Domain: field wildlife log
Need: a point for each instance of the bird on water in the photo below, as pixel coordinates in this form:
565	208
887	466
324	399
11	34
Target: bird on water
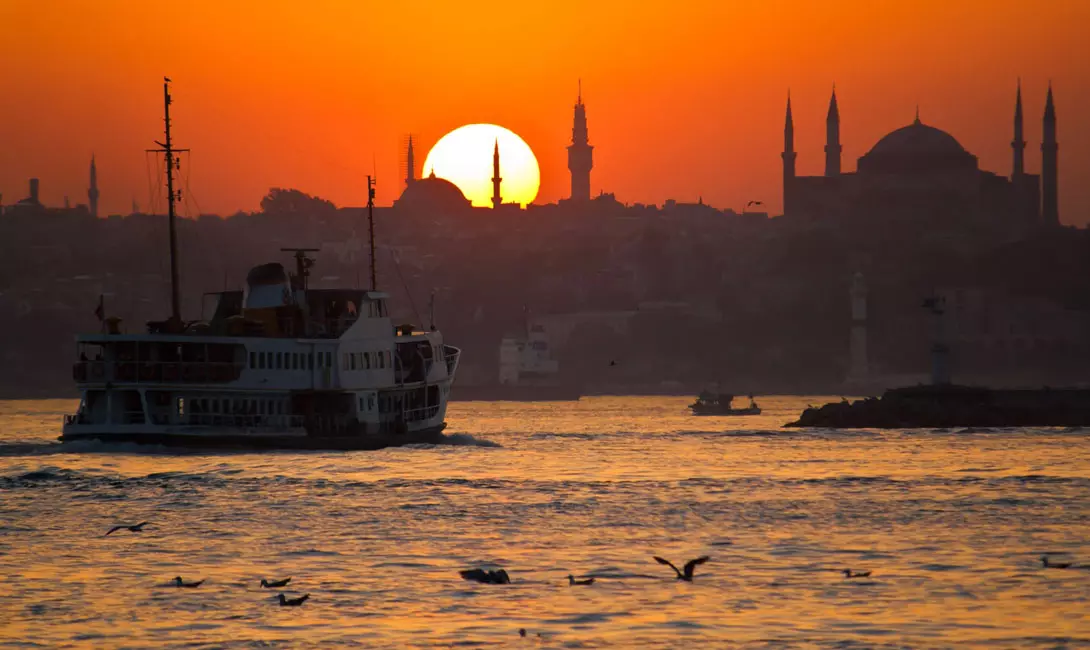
178	582
572	581
293	602
486	576
848	573
135	528
1048	564
275	583
687	574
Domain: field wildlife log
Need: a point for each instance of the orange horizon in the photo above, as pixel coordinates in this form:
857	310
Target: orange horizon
683	101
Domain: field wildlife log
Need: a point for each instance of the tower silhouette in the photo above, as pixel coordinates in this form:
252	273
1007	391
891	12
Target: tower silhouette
788	156
580	153
92	190
1019	142
832	138
1050	207
496	200
410	163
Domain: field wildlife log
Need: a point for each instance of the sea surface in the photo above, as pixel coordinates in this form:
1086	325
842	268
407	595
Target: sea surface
952	524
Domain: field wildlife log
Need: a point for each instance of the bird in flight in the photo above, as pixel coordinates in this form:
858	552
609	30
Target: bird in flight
687	574
275	583
293	602
136	528
178	582
572	581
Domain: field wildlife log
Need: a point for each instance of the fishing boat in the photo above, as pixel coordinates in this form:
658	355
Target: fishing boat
276	365
709	403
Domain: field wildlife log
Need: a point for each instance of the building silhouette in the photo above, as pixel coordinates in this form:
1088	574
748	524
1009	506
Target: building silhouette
788	156
1050	205
832	138
410	164
580	153
92	190
921	175
497	200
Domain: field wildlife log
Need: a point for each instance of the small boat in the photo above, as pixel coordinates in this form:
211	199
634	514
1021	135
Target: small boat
709	403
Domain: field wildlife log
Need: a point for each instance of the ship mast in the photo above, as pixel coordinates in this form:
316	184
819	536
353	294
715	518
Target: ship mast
172	164
371	227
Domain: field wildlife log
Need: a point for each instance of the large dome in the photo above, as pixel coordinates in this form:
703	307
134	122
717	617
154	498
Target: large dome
917	147
431	194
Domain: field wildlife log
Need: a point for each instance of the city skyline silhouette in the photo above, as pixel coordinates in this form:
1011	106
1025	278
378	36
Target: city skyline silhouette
693	119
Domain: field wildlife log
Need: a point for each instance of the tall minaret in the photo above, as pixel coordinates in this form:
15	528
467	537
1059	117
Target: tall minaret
832	138
1019	142
410	162
1050	205
496	200
92	191
580	153
788	156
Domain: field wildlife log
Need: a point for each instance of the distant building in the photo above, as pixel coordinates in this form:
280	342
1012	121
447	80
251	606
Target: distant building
92	190
580	153
919	173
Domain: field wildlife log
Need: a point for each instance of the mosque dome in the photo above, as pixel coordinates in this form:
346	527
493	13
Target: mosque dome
917	147
432	194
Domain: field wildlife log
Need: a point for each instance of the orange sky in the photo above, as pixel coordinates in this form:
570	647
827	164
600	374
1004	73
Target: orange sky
684	99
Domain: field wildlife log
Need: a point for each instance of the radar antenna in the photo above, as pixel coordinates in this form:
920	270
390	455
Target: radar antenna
302	264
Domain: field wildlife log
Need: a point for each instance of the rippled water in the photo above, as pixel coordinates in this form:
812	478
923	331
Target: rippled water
951	523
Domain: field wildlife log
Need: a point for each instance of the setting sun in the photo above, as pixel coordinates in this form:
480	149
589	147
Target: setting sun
464	157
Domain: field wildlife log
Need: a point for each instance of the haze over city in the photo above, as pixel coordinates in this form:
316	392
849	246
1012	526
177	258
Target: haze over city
736	323
686	101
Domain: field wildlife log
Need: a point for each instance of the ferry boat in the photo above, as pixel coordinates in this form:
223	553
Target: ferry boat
527	373
277	365
709	403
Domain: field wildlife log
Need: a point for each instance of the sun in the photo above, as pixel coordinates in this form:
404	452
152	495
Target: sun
464	157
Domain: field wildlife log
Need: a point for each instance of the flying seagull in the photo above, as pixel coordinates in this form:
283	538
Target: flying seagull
178	582
293	602
1057	565
572	581
848	573
275	583
137	528
687	575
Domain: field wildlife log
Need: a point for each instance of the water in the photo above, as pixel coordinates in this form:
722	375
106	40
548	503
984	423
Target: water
951	523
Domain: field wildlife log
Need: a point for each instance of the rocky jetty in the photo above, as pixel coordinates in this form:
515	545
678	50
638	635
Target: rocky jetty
954	406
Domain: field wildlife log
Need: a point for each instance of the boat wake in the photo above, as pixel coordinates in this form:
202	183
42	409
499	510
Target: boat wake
459	440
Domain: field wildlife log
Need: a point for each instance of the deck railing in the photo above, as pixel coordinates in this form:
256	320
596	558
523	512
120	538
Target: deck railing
184	372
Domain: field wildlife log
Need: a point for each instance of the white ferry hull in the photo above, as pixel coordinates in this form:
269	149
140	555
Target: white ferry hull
233	438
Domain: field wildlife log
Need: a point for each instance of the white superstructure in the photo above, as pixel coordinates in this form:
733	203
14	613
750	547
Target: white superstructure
276	365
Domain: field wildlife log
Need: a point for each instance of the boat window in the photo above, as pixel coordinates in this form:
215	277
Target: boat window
370	402
181	406
253	359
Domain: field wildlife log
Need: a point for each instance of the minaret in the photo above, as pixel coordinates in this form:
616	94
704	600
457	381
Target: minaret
410	175
580	153
788	156
832	138
1019	142
92	191
496	200
858	366
1050	206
